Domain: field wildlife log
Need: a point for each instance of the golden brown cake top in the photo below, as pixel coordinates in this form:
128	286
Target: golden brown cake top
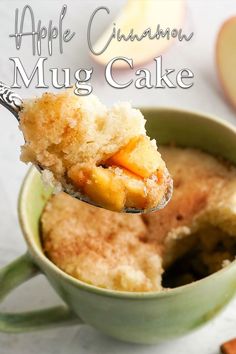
100	247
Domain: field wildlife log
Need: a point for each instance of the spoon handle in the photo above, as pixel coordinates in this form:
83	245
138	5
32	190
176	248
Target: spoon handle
10	100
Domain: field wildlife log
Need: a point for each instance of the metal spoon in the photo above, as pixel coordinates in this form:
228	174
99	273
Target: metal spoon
14	103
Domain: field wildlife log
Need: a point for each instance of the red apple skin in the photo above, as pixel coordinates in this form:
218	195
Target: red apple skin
230	98
138	63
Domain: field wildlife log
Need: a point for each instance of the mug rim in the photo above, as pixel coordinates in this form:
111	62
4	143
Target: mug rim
34	251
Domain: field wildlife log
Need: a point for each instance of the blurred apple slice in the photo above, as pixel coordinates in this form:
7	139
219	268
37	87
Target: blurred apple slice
140	15
226	58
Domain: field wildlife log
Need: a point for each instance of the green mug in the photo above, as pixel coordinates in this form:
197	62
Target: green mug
134	317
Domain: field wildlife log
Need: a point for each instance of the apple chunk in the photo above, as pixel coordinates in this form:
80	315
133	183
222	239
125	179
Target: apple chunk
226	58
101	186
136	190
139	17
138	156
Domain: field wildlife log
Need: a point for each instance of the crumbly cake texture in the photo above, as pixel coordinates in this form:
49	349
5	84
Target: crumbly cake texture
63	129
103	153
128	252
100	247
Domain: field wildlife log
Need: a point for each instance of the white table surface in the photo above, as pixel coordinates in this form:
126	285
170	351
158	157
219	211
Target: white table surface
204	18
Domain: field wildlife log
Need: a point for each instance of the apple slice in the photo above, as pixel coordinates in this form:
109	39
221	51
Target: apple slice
101	186
141	15
138	156
226	58
105	189
136	190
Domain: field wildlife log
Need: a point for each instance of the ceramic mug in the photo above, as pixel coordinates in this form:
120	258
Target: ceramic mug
135	317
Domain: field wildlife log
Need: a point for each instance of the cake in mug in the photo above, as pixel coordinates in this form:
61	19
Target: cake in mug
192	237
95	151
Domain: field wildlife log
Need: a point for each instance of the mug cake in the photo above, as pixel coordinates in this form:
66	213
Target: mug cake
192	237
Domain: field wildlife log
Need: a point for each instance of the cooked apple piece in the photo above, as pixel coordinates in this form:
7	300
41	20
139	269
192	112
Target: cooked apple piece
105	189
136	190
138	156
226	58
100	185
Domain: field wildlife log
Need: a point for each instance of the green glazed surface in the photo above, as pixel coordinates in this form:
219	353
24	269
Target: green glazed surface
139	317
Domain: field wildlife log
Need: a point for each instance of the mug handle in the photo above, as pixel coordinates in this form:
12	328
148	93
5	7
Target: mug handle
11	276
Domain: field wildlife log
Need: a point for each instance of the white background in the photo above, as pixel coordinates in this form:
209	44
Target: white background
204	18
